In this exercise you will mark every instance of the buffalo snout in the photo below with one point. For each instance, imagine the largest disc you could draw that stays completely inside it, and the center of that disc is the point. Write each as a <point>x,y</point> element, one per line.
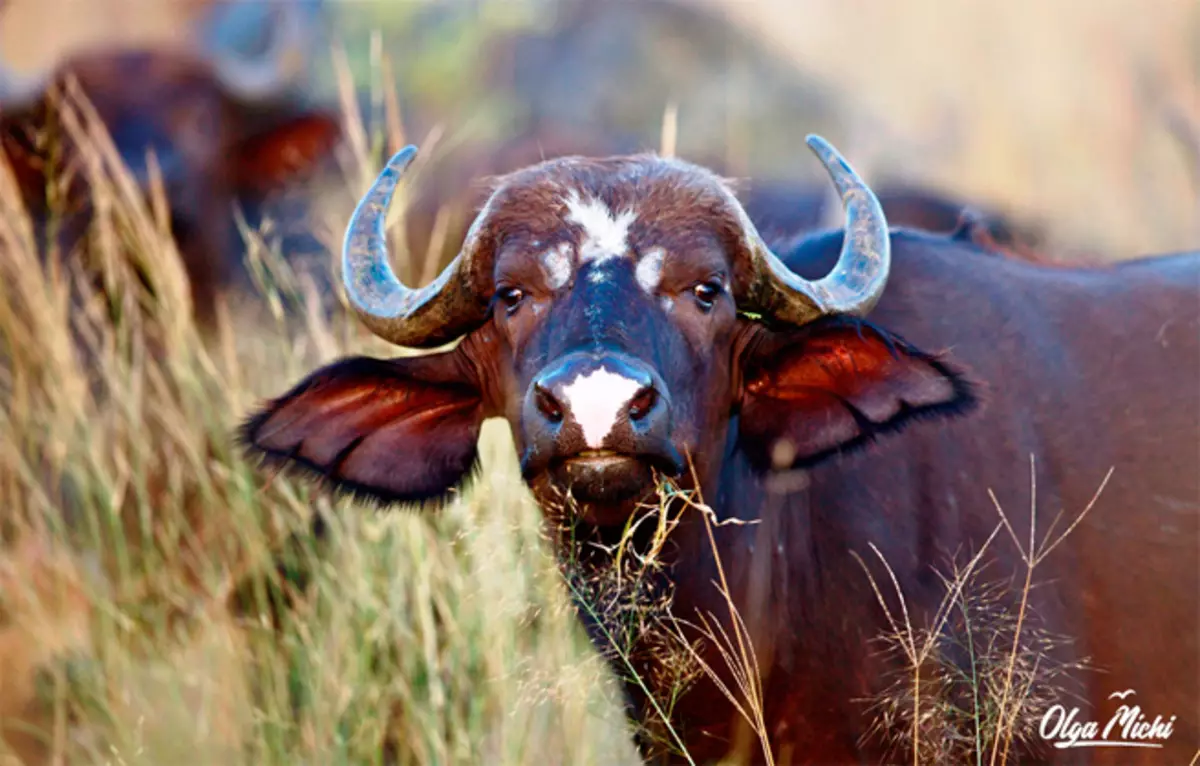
<point>599,423</point>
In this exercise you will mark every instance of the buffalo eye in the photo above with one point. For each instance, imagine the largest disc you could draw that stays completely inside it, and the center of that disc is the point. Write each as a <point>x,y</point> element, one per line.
<point>706,294</point>
<point>511,297</point>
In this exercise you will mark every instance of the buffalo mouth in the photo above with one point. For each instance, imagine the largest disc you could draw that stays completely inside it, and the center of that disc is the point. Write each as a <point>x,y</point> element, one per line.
<point>608,483</point>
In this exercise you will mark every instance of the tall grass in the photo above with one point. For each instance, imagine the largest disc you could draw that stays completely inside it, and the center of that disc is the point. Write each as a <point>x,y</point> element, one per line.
<point>131,617</point>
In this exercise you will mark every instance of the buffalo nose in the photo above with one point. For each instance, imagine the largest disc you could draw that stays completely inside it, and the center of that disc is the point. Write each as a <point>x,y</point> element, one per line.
<point>599,395</point>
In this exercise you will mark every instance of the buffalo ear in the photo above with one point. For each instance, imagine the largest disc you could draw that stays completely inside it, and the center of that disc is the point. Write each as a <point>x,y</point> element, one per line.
<point>400,430</point>
<point>836,385</point>
<point>268,159</point>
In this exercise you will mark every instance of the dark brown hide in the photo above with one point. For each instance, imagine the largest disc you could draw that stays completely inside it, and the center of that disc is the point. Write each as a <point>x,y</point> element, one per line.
<point>1082,369</point>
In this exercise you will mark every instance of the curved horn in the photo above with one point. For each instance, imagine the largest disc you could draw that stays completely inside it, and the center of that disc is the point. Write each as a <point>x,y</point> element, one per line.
<point>252,78</point>
<point>856,282</point>
<point>453,304</point>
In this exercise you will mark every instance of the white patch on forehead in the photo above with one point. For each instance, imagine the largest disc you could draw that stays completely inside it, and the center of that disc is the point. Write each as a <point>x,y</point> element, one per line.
<point>649,270</point>
<point>557,263</point>
<point>604,235</point>
<point>595,401</point>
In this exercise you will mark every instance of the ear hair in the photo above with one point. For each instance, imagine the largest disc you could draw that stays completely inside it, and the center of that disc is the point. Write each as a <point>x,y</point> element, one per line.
<point>837,385</point>
<point>380,431</point>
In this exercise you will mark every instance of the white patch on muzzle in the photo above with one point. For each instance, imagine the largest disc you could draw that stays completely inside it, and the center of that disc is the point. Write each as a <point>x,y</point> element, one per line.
<point>596,400</point>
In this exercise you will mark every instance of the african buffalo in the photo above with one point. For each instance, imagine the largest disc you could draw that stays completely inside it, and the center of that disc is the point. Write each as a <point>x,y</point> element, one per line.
<point>226,129</point>
<point>627,319</point>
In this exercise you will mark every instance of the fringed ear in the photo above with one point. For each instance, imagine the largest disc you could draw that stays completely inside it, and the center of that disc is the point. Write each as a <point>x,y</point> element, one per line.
<point>400,430</point>
<point>835,385</point>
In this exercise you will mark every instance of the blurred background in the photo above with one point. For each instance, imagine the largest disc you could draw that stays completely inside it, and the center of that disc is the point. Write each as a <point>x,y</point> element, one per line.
<point>179,174</point>
<point>1080,115</point>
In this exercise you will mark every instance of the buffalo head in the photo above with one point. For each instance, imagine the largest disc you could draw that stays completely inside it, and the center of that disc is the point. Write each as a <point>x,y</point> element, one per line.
<point>626,318</point>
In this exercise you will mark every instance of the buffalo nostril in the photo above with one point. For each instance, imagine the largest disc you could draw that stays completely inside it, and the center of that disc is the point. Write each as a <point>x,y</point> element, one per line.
<point>547,404</point>
<point>642,403</point>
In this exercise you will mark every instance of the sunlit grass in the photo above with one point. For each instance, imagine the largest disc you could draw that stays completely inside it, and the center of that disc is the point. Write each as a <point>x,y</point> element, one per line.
<point>425,637</point>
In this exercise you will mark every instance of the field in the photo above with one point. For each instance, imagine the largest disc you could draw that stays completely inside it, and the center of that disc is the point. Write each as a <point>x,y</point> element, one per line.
<point>131,621</point>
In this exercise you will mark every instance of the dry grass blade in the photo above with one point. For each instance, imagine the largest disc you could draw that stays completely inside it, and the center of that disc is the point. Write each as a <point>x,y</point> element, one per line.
<point>952,712</point>
<point>353,128</point>
<point>670,130</point>
<point>737,651</point>
<point>664,718</point>
<point>917,656</point>
<point>1033,555</point>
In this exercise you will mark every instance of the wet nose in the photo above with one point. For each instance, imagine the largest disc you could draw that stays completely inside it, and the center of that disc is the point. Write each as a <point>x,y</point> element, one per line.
<point>600,395</point>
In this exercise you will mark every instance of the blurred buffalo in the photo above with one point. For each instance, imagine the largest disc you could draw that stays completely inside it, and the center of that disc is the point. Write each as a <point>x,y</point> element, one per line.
<point>223,120</point>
